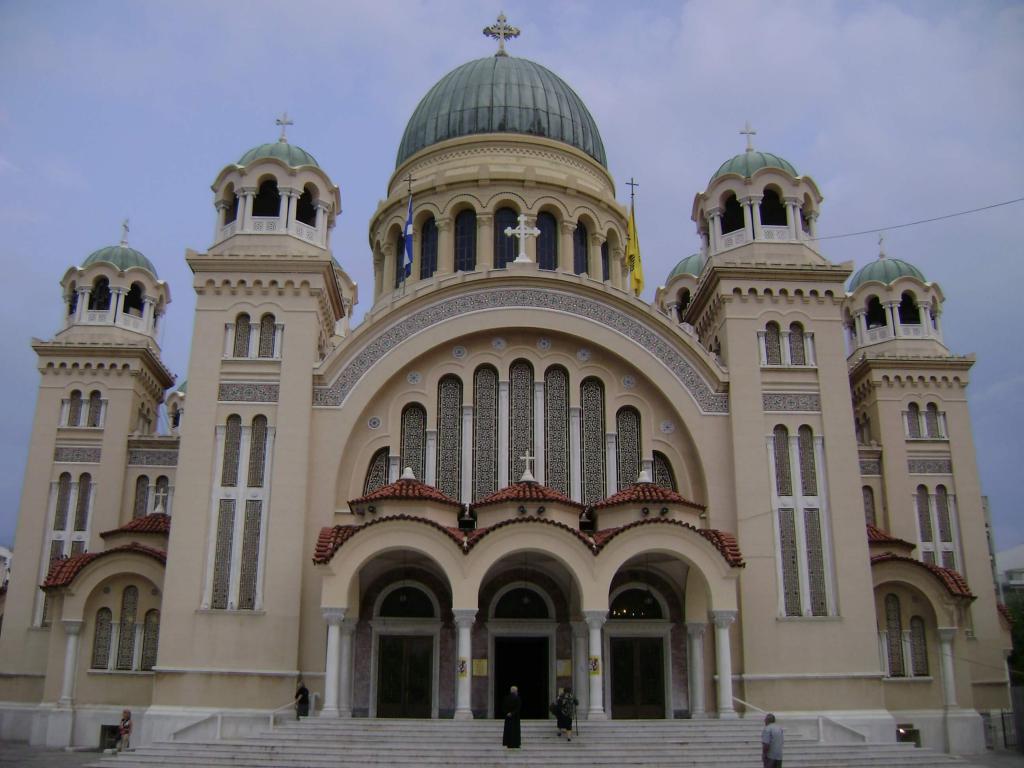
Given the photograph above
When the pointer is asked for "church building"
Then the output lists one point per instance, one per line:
(758, 492)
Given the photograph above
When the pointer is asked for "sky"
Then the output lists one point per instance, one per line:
(900, 111)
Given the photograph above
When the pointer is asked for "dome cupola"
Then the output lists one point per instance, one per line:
(291, 155)
(884, 270)
(691, 265)
(120, 256)
(746, 163)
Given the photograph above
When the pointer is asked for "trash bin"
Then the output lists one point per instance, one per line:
(906, 732)
(109, 736)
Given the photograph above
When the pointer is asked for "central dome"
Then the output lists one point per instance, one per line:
(501, 94)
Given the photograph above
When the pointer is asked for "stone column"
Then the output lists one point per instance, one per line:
(565, 255)
(580, 683)
(595, 621)
(946, 635)
(464, 618)
(467, 453)
(484, 241)
(222, 213)
(333, 617)
(430, 470)
(348, 628)
(695, 666)
(575, 465)
(72, 630)
(503, 462)
(860, 319)
(247, 194)
(445, 246)
(751, 219)
(388, 281)
(83, 303)
(793, 209)
(715, 228)
(538, 430)
(924, 313)
(812, 223)
(395, 468)
(892, 310)
(723, 652)
(594, 257)
(286, 211)
(323, 222)
(116, 303)
(611, 460)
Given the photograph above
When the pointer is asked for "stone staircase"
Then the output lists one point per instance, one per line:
(363, 743)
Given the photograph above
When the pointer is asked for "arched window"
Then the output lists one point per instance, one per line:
(521, 603)
(232, 445)
(579, 249)
(797, 354)
(913, 420)
(627, 427)
(556, 427)
(376, 472)
(910, 313)
(242, 331)
(942, 513)
(305, 210)
(547, 241)
(783, 475)
(99, 299)
(141, 496)
(133, 301)
(449, 436)
(95, 409)
(592, 443)
(773, 212)
(465, 241)
(72, 299)
(808, 472)
(268, 330)
(876, 314)
(504, 246)
(772, 344)
(82, 503)
(485, 431)
(918, 647)
(75, 409)
(635, 604)
(663, 473)
(257, 452)
(605, 265)
(428, 248)
(60, 517)
(231, 210)
(924, 518)
(101, 639)
(150, 637)
(162, 495)
(126, 632)
(894, 636)
(931, 420)
(268, 199)
(520, 431)
(414, 439)
(682, 302)
(870, 516)
(732, 215)
(407, 602)
(399, 248)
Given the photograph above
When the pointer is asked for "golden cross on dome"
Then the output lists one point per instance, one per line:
(124, 232)
(750, 133)
(501, 32)
(284, 122)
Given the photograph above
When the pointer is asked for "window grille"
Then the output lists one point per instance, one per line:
(797, 350)
(790, 563)
(141, 496)
(250, 554)
(377, 472)
(663, 473)
(592, 443)
(101, 639)
(222, 553)
(242, 331)
(485, 431)
(75, 409)
(556, 426)
(126, 634)
(82, 504)
(808, 472)
(257, 452)
(869, 505)
(232, 446)
(150, 638)
(772, 344)
(414, 438)
(268, 330)
(918, 647)
(894, 636)
(449, 436)
(520, 417)
(95, 409)
(60, 518)
(627, 425)
(783, 476)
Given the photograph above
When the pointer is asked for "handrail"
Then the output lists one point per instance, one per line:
(748, 705)
(821, 720)
(220, 714)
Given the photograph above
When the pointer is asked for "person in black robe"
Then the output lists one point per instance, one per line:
(565, 711)
(301, 700)
(511, 706)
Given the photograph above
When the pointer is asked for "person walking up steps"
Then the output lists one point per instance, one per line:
(771, 743)
(565, 710)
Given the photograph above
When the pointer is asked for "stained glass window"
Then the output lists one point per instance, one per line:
(126, 634)
(894, 632)
(268, 329)
(242, 331)
(141, 496)
(547, 241)
(627, 425)
(250, 554)
(815, 563)
(918, 647)
(101, 639)
(783, 476)
(796, 345)
(556, 427)
(449, 436)
(232, 445)
(790, 562)
(465, 241)
(377, 472)
(663, 473)
(485, 431)
(592, 442)
(257, 451)
(808, 473)
(162, 496)
(60, 517)
(931, 420)
(520, 417)
(914, 420)
(82, 503)
(75, 409)
(942, 510)
(504, 246)
(150, 637)
(772, 344)
(222, 553)
(428, 248)
(95, 409)
(924, 518)
(414, 438)
(869, 505)
(579, 249)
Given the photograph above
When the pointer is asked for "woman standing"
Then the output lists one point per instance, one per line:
(565, 710)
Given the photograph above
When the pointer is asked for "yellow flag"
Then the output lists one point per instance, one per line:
(633, 263)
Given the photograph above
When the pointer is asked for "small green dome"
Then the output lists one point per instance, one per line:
(183, 388)
(747, 162)
(501, 94)
(885, 270)
(289, 153)
(122, 257)
(691, 265)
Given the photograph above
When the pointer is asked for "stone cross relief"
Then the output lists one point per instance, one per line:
(527, 477)
(522, 232)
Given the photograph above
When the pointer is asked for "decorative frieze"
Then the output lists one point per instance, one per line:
(656, 344)
(152, 457)
(870, 467)
(248, 392)
(930, 466)
(791, 401)
(77, 454)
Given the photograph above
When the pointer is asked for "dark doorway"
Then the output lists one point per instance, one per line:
(638, 678)
(404, 676)
(523, 662)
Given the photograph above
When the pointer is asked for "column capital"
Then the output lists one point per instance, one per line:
(696, 629)
(348, 626)
(713, 212)
(72, 626)
(333, 615)
(243, 191)
(597, 239)
(464, 617)
(484, 219)
(442, 223)
(568, 227)
(579, 629)
(791, 199)
(947, 634)
(751, 199)
(723, 619)
(595, 619)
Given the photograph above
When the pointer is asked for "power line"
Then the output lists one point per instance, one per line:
(921, 221)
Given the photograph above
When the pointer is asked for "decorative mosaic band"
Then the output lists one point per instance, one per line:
(247, 392)
(152, 457)
(534, 298)
(870, 467)
(930, 466)
(791, 401)
(76, 455)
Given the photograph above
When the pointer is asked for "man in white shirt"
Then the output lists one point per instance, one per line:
(771, 743)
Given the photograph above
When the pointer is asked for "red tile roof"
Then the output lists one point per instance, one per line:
(64, 571)
(646, 493)
(473, 537)
(331, 538)
(878, 536)
(158, 522)
(952, 580)
(527, 492)
(406, 490)
(724, 542)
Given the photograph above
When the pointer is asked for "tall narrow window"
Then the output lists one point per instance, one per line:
(465, 241)
(268, 330)
(99, 299)
(783, 476)
(869, 505)
(924, 518)
(605, 264)
(913, 420)
(663, 473)
(268, 199)
(126, 632)
(141, 505)
(504, 246)
(773, 212)
(250, 554)
(808, 472)
(75, 409)
(910, 314)
(772, 344)
(95, 409)
(242, 331)
(257, 452)
(816, 588)
(82, 503)
(232, 446)
(449, 436)
(931, 421)
(579, 249)
(592, 442)
(428, 248)
(376, 472)
(305, 207)
(222, 553)
(60, 517)
(101, 639)
(485, 431)
(732, 215)
(894, 636)
(918, 647)
(790, 562)
(547, 241)
(627, 426)
(150, 637)
(942, 512)
(399, 258)
(520, 417)
(876, 316)
(414, 439)
(556, 427)
(797, 355)
(162, 495)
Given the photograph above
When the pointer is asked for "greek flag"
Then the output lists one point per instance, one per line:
(408, 240)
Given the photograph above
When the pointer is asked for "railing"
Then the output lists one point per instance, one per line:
(914, 329)
(266, 224)
(98, 315)
(776, 233)
(216, 719)
(307, 232)
(228, 229)
(827, 729)
(881, 333)
(130, 321)
(731, 240)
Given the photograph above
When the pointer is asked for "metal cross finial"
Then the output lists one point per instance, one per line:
(632, 184)
(284, 122)
(409, 180)
(501, 32)
(750, 133)
(527, 477)
(881, 245)
(522, 232)
(124, 232)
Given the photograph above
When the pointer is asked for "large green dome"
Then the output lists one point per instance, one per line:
(294, 156)
(691, 265)
(501, 94)
(885, 270)
(122, 257)
(746, 163)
